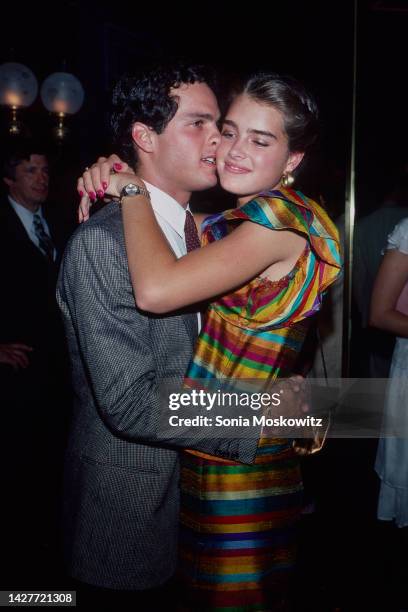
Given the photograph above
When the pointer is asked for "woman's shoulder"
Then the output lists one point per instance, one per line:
(273, 209)
(284, 206)
(292, 210)
(265, 208)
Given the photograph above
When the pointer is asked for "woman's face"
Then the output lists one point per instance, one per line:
(254, 153)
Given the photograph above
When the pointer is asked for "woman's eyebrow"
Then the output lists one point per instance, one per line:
(250, 131)
(262, 133)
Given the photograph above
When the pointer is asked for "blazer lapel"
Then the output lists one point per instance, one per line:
(16, 230)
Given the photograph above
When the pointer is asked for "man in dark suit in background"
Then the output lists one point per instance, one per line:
(33, 363)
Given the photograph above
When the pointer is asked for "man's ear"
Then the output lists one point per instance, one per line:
(143, 136)
(294, 160)
(9, 182)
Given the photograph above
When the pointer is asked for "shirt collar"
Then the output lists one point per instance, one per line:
(23, 212)
(168, 208)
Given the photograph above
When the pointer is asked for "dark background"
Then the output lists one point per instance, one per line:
(311, 40)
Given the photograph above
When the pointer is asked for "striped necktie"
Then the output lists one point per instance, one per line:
(44, 241)
(190, 233)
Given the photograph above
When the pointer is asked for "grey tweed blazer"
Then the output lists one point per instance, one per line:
(121, 498)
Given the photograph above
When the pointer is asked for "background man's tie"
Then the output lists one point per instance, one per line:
(44, 241)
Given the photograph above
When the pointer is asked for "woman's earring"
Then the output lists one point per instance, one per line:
(287, 179)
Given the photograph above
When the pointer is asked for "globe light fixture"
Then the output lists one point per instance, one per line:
(62, 94)
(18, 88)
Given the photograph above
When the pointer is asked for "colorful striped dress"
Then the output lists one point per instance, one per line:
(237, 521)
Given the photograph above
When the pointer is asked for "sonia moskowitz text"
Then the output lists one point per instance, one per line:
(254, 421)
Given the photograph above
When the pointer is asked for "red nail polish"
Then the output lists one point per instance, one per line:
(105, 185)
(100, 193)
(81, 193)
(92, 195)
(117, 166)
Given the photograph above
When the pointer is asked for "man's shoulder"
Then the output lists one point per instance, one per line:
(107, 222)
(96, 245)
(108, 218)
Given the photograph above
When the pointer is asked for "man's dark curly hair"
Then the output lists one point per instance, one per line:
(146, 98)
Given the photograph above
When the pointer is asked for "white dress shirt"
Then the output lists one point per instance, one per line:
(27, 219)
(171, 217)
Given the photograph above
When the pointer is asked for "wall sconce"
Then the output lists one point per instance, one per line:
(18, 88)
(62, 94)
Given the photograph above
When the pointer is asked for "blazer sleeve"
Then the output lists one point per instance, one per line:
(113, 339)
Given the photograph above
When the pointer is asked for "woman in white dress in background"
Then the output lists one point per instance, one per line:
(389, 311)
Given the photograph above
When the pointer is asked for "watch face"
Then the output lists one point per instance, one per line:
(131, 189)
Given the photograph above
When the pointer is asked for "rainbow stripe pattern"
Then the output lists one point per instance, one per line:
(237, 544)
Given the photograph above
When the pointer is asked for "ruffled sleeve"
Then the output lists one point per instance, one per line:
(398, 239)
(264, 303)
(286, 209)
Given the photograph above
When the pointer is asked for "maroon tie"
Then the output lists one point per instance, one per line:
(190, 233)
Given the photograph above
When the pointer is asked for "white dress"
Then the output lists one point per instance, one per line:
(392, 455)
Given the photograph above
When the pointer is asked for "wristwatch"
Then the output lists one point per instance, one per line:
(132, 190)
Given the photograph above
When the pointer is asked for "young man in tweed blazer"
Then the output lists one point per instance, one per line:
(121, 487)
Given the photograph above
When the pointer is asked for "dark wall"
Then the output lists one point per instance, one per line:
(308, 39)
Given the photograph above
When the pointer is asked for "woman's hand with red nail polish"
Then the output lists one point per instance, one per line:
(106, 177)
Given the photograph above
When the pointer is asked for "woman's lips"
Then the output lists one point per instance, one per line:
(233, 169)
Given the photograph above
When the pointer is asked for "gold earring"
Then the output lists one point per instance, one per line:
(287, 179)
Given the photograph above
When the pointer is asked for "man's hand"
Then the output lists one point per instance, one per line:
(107, 176)
(15, 354)
(294, 393)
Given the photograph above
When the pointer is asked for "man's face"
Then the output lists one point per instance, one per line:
(30, 187)
(184, 155)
